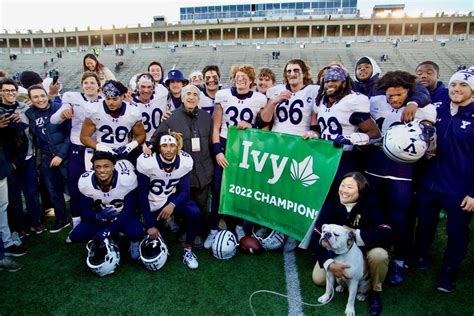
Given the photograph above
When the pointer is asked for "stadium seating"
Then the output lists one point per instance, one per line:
(405, 57)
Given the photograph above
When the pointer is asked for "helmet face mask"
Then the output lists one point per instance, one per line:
(225, 245)
(103, 258)
(269, 239)
(153, 253)
(407, 143)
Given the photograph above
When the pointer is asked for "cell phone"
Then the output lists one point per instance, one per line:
(55, 76)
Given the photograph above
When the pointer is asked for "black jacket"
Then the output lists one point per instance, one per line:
(190, 125)
(366, 215)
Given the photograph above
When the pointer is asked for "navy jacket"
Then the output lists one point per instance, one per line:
(366, 215)
(440, 95)
(453, 166)
(57, 135)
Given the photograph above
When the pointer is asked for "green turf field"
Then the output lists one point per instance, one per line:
(56, 281)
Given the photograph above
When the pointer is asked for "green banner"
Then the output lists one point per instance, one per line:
(277, 180)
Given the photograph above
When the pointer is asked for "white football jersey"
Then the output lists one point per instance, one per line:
(206, 103)
(385, 115)
(293, 116)
(80, 106)
(335, 120)
(162, 183)
(112, 131)
(123, 183)
(236, 110)
(152, 112)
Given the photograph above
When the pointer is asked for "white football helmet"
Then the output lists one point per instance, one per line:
(103, 258)
(408, 142)
(225, 245)
(153, 253)
(269, 239)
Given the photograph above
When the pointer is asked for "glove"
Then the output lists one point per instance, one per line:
(101, 235)
(107, 215)
(429, 136)
(123, 151)
(102, 147)
(340, 141)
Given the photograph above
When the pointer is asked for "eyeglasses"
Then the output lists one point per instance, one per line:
(9, 91)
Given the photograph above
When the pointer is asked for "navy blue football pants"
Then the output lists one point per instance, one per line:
(192, 215)
(395, 197)
(76, 168)
(86, 230)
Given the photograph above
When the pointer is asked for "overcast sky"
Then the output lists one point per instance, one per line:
(47, 15)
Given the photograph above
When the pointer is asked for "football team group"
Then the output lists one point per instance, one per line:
(142, 161)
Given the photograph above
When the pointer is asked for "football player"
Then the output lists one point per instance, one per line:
(237, 106)
(164, 185)
(344, 118)
(112, 121)
(265, 80)
(175, 82)
(391, 181)
(108, 203)
(151, 104)
(290, 105)
(427, 73)
(212, 77)
(74, 107)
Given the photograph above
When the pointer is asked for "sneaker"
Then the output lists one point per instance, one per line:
(190, 259)
(239, 231)
(396, 274)
(172, 225)
(290, 245)
(38, 229)
(210, 238)
(23, 234)
(16, 239)
(445, 282)
(10, 265)
(198, 242)
(49, 212)
(68, 240)
(59, 226)
(135, 250)
(15, 251)
(375, 305)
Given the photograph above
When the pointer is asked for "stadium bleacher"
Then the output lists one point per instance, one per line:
(405, 57)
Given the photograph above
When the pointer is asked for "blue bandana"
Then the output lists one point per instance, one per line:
(111, 89)
(335, 74)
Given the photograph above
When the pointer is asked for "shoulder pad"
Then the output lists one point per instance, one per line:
(127, 179)
(85, 183)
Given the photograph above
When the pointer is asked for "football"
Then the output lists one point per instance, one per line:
(250, 244)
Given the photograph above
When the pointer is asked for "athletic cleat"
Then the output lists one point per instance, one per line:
(190, 259)
(58, 227)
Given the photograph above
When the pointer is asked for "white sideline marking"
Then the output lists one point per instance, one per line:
(292, 284)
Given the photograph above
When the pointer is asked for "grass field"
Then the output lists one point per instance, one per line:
(56, 281)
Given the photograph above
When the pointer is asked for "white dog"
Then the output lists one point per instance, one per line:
(342, 242)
